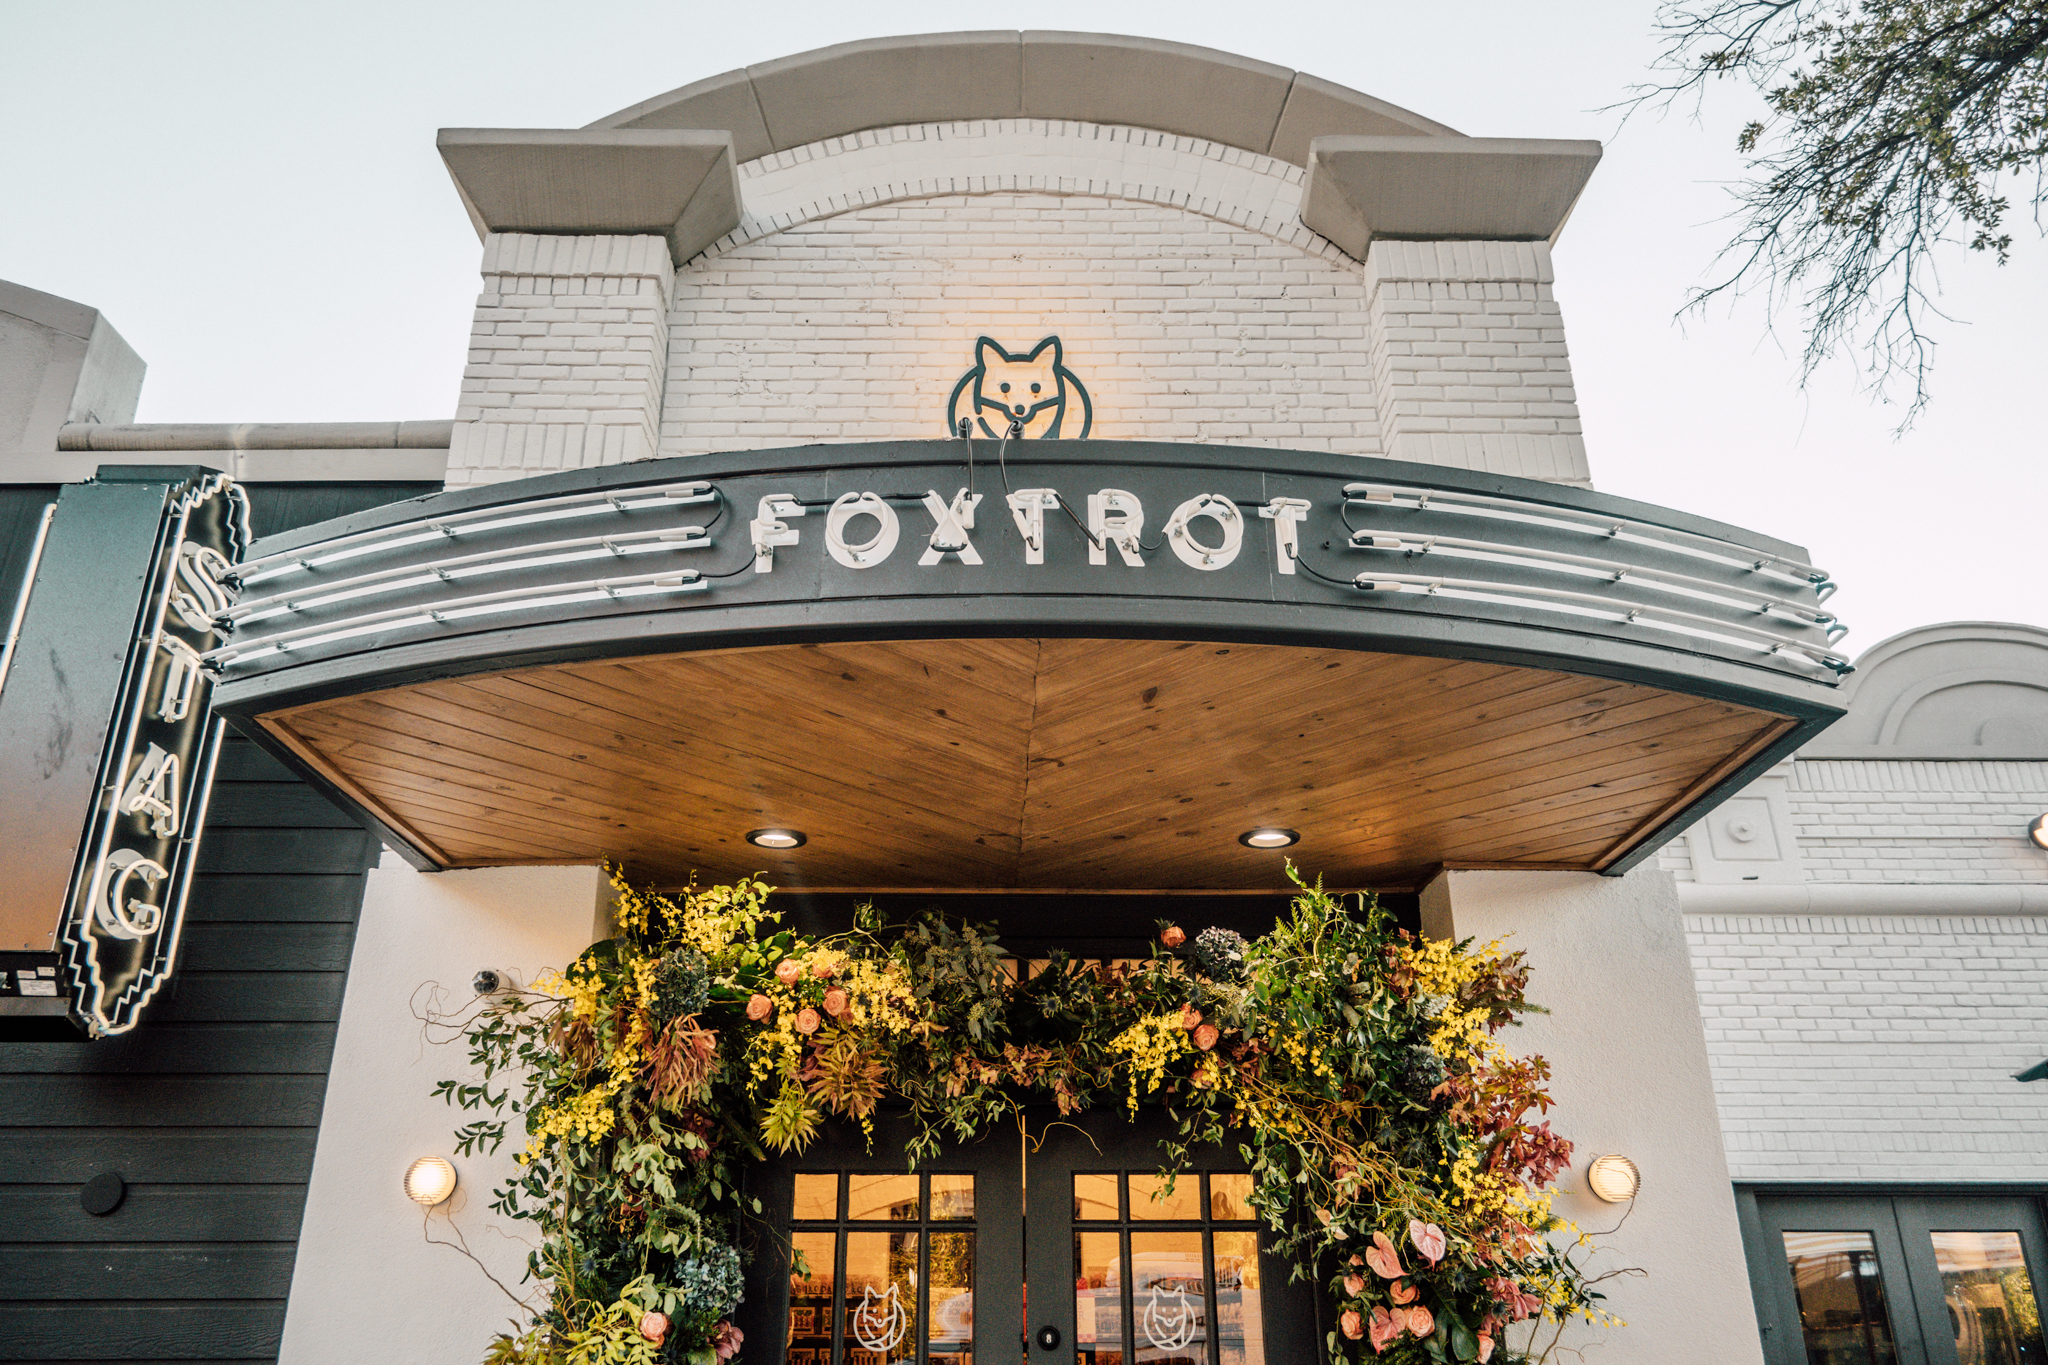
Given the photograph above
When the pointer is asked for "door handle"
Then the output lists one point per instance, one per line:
(1048, 1338)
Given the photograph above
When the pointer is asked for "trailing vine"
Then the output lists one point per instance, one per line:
(1399, 1153)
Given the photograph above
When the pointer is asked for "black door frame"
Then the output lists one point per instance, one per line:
(1898, 1218)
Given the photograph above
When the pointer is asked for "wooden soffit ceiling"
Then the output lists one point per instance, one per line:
(1028, 764)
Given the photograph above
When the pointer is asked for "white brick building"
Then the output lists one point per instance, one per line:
(1793, 929)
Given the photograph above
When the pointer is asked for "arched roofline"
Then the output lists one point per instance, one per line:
(1897, 673)
(1086, 77)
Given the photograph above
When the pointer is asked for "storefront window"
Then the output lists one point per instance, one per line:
(863, 1295)
(1842, 1309)
(1990, 1298)
(1158, 1265)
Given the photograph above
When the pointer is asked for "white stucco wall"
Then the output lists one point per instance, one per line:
(368, 1284)
(1629, 1074)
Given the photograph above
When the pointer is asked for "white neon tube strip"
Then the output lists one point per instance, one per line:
(1493, 552)
(481, 519)
(1590, 523)
(1666, 618)
(310, 596)
(460, 608)
(28, 582)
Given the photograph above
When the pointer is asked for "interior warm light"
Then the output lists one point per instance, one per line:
(2038, 831)
(1614, 1178)
(430, 1180)
(775, 838)
(1268, 837)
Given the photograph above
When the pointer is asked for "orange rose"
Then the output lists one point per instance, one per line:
(1354, 1285)
(1206, 1036)
(1400, 1291)
(654, 1326)
(822, 970)
(807, 1021)
(759, 1007)
(1190, 1017)
(1353, 1325)
(1420, 1322)
(789, 971)
(1173, 937)
(835, 1002)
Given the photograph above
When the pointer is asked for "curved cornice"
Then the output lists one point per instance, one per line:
(1085, 77)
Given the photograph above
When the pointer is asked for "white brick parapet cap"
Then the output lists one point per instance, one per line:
(1864, 898)
(255, 436)
(1364, 189)
(677, 183)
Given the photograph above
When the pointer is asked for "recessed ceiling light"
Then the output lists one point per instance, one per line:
(1268, 836)
(775, 838)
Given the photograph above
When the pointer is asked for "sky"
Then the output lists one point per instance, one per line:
(250, 193)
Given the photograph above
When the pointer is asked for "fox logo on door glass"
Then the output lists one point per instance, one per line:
(1033, 388)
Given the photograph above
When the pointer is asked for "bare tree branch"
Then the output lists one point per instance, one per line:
(1890, 126)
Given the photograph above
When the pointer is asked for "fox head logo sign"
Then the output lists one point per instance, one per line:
(1034, 388)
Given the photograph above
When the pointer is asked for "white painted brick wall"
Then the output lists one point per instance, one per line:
(1468, 351)
(567, 356)
(1193, 303)
(1882, 1049)
(1919, 821)
(856, 327)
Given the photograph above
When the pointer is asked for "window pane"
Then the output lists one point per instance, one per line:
(1184, 1202)
(1098, 1292)
(817, 1197)
(1990, 1299)
(952, 1196)
(881, 1297)
(1240, 1330)
(1094, 1197)
(1168, 1296)
(950, 1273)
(890, 1197)
(810, 1299)
(1841, 1298)
(1230, 1197)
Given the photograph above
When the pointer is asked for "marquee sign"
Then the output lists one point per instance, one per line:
(125, 907)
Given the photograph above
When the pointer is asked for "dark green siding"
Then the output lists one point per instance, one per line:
(210, 1108)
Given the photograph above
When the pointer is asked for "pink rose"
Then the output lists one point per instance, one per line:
(1190, 1017)
(1400, 1291)
(822, 970)
(1206, 1036)
(1353, 1325)
(654, 1326)
(759, 1007)
(1420, 1322)
(1386, 1329)
(789, 971)
(1385, 1258)
(726, 1340)
(835, 1002)
(1354, 1285)
(807, 1021)
(1357, 1259)
(1428, 1239)
(1174, 937)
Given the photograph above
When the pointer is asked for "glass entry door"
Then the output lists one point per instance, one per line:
(1058, 1245)
(1900, 1279)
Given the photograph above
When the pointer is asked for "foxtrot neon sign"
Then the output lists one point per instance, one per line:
(1205, 532)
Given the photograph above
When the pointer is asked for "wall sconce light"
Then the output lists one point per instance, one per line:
(1614, 1178)
(776, 838)
(1268, 836)
(2038, 831)
(430, 1180)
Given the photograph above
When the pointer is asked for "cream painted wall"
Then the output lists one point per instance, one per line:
(1629, 1072)
(367, 1285)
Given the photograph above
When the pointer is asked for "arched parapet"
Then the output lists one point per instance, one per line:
(1959, 690)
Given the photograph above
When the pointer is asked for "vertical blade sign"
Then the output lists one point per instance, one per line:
(126, 904)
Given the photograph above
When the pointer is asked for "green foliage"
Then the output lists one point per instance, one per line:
(1355, 1068)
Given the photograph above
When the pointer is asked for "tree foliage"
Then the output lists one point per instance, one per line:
(1893, 128)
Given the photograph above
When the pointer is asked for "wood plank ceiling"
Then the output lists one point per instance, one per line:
(1027, 764)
